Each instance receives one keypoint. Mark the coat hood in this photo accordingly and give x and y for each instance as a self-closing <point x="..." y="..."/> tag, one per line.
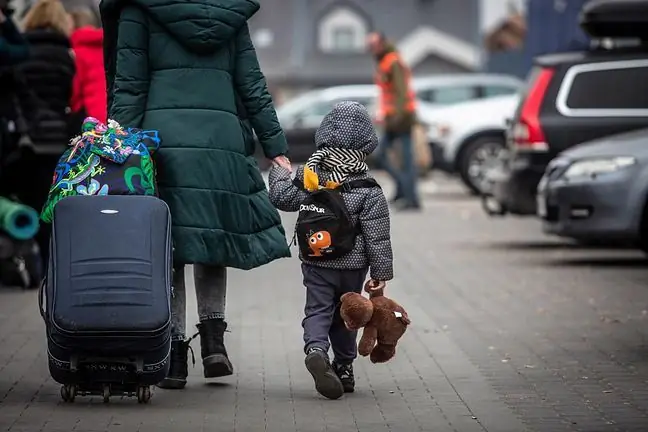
<point x="348" y="126"/>
<point x="202" y="26"/>
<point x="87" y="36"/>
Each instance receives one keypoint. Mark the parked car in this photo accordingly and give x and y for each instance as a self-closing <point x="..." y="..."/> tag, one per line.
<point x="451" y="89"/>
<point x="467" y="138"/>
<point x="573" y="98"/>
<point x="301" y="115"/>
<point x="598" y="191"/>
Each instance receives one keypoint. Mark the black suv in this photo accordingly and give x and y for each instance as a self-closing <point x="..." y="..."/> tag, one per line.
<point x="575" y="97"/>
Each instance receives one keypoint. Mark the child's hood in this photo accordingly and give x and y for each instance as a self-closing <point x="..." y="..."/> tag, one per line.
<point x="348" y="125"/>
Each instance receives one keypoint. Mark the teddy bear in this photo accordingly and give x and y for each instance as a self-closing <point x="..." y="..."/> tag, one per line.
<point x="384" y="322"/>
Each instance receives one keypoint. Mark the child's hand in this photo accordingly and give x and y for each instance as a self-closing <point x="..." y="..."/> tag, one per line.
<point x="283" y="162"/>
<point x="375" y="287"/>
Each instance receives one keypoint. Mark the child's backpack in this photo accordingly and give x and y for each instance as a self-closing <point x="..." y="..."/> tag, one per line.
<point x="104" y="160"/>
<point x="324" y="230"/>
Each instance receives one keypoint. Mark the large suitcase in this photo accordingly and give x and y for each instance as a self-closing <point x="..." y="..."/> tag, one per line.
<point x="106" y="299"/>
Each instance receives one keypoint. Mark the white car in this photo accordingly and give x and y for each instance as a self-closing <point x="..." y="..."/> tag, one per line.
<point x="467" y="138"/>
<point x="443" y="90"/>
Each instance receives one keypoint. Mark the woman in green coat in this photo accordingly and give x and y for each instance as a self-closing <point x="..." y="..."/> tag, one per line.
<point x="189" y="70"/>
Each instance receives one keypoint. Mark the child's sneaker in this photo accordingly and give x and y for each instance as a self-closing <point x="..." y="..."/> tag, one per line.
<point x="327" y="382"/>
<point x="345" y="374"/>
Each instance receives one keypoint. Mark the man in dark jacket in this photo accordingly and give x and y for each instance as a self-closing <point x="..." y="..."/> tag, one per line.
<point x="397" y="112"/>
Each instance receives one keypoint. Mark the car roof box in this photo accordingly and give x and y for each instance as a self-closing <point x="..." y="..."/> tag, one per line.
<point x="615" y="19"/>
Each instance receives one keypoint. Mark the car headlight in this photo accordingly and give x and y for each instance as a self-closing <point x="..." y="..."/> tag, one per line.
<point x="593" y="167"/>
<point x="439" y="130"/>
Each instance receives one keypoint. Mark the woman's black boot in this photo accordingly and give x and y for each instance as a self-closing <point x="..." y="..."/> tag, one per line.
<point x="179" y="368"/>
<point x="212" y="348"/>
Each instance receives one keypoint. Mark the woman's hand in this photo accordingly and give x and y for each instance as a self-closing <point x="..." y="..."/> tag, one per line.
<point x="3" y="17"/>
<point x="283" y="162"/>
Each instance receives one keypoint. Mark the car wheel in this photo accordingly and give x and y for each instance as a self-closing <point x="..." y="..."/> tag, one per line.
<point x="477" y="158"/>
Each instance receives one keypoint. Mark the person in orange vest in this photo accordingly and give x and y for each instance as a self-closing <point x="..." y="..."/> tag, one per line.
<point x="397" y="114"/>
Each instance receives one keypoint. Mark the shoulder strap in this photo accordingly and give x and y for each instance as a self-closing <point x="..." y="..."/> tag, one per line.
<point x="359" y="184"/>
<point x="346" y="186"/>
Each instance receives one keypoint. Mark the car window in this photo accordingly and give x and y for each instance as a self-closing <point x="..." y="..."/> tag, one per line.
<point x="365" y="101"/>
<point x="610" y="89"/>
<point x="426" y="95"/>
<point x="320" y="108"/>
<point x="362" y="100"/>
<point x="497" y="90"/>
<point x="451" y="95"/>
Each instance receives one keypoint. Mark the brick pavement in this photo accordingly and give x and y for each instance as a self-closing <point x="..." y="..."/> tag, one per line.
<point x="511" y="333"/>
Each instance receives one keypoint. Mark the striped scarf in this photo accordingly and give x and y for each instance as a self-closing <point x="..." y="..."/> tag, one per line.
<point x="339" y="162"/>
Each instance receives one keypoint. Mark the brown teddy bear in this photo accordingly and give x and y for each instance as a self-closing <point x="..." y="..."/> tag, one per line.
<point x="384" y="322"/>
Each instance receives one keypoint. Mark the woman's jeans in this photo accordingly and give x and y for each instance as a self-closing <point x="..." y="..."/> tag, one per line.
<point x="211" y="283"/>
<point x="405" y="179"/>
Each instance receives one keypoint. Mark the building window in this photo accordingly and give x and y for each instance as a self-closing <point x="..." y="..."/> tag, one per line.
<point x="342" y="30"/>
<point x="344" y="39"/>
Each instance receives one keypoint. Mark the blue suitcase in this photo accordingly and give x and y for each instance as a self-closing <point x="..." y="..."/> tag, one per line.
<point x="106" y="298"/>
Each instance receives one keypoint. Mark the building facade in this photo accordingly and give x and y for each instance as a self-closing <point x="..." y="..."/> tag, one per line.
<point x="303" y="44"/>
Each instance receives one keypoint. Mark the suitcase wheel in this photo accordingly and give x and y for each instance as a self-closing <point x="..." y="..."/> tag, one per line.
<point x="68" y="392"/>
<point x="143" y="394"/>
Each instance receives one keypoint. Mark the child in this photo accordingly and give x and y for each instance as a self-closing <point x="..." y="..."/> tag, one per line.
<point x="344" y="140"/>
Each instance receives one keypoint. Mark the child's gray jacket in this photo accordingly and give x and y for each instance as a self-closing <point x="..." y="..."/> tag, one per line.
<point x="368" y="209"/>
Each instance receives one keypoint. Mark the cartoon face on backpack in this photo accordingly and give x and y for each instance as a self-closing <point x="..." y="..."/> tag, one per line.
<point x="319" y="242"/>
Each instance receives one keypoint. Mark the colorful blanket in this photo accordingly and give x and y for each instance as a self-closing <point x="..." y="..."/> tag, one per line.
<point x="104" y="160"/>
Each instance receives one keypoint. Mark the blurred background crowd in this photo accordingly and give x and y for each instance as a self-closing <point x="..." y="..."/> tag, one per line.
<point x="51" y="78"/>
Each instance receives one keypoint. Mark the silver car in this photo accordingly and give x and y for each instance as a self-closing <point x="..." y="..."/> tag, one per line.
<point x="598" y="191"/>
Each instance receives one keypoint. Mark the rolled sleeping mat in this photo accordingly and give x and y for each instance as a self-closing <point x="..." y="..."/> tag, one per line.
<point x="17" y="220"/>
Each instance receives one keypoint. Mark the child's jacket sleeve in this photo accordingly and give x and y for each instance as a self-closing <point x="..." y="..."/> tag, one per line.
<point x="375" y="225"/>
<point x="284" y="195"/>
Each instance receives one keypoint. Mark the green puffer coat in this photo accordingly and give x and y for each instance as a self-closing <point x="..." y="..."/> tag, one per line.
<point x="189" y="70"/>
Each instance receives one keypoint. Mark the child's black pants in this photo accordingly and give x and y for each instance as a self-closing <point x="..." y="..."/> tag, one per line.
<point x="322" y="321"/>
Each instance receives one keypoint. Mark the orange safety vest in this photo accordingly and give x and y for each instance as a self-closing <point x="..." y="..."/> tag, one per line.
<point x="387" y="102"/>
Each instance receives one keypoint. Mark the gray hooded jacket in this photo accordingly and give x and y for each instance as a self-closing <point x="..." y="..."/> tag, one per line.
<point x="348" y="125"/>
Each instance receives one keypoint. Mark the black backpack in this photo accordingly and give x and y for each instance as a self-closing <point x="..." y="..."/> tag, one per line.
<point x="324" y="229"/>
